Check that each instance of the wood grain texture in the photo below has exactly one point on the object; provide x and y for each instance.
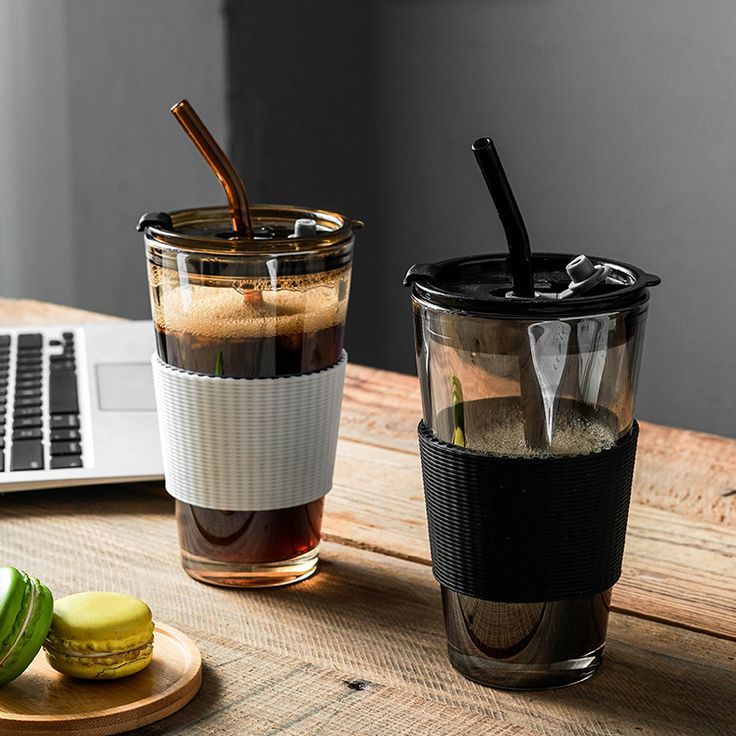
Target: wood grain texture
(691, 473)
(677, 569)
(360, 648)
(32, 312)
(277, 660)
(44, 703)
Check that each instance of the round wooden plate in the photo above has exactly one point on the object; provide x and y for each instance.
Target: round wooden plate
(41, 701)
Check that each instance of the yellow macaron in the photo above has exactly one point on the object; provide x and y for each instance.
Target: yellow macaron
(100, 636)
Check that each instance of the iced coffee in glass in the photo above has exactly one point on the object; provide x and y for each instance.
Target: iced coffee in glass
(262, 307)
(528, 443)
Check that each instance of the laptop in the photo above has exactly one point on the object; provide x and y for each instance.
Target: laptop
(77, 406)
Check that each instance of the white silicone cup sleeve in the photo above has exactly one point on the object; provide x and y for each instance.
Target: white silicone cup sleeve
(248, 444)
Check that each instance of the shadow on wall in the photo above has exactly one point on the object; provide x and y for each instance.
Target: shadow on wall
(613, 121)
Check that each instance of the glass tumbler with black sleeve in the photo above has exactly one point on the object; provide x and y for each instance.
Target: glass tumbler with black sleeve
(528, 442)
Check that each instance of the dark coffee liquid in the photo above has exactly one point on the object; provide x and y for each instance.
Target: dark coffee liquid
(280, 355)
(251, 536)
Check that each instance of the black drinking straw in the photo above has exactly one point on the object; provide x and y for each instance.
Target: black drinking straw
(509, 214)
(520, 256)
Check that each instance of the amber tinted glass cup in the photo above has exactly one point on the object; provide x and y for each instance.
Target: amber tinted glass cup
(265, 307)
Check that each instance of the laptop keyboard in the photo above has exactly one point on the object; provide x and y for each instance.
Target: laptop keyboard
(39, 403)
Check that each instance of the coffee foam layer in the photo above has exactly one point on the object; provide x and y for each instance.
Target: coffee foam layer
(232, 314)
(501, 432)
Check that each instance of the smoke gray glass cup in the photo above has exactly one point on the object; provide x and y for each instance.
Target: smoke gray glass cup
(502, 380)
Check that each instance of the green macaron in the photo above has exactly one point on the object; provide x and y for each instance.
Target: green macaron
(26, 608)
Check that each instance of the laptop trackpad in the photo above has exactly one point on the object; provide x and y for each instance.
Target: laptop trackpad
(125, 387)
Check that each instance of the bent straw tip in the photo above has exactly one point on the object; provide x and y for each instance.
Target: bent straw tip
(481, 144)
(184, 102)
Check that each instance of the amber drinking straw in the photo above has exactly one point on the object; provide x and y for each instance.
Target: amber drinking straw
(509, 214)
(219, 163)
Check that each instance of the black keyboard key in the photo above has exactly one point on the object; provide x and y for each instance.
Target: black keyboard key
(2, 462)
(66, 448)
(26, 434)
(27, 411)
(4, 340)
(25, 422)
(29, 356)
(2, 447)
(63, 392)
(64, 421)
(66, 461)
(63, 365)
(65, 435)
(54, 343)
(32, 401)
(29, 374)
(22, 377)
(27, 393)
(27, 455)
(30, 341)
(3, 395)
(32, 383)
(68, 336)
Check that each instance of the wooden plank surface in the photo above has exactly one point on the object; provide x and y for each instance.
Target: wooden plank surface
(283, 657)
(45, 703)
(691, 473)
(32, 312)
(677, 568)
(361, 648)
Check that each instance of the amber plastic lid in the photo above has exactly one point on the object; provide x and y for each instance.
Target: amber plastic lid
(483, 284)
(205, 234)
(207, 228)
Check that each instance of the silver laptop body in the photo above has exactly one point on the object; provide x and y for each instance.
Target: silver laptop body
(108, 435)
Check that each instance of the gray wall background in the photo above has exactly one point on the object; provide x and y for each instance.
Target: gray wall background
(87, 142)
(616, 122)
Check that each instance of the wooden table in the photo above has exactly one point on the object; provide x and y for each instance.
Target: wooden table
(360, 648)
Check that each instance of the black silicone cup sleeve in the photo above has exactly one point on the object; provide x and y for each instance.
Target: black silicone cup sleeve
(526, 529)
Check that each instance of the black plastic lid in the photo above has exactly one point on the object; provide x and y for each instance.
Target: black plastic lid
(482, 284)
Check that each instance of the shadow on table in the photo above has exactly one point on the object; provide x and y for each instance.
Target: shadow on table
(384, 616)
(389, 594)
(206, 704)
(653, 692)
(97, 500)
(654, 680)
